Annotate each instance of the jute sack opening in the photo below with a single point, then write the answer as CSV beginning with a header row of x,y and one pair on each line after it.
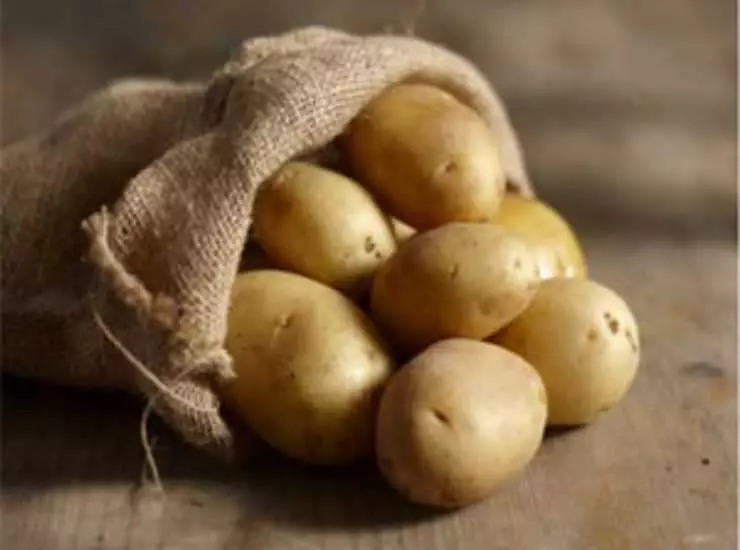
x,y
162,178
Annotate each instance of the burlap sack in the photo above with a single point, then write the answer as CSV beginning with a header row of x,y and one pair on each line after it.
x,y
180,165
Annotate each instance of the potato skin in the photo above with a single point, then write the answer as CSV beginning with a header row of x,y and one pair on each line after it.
x,y
322,225
583,340
457,421
401,231
554,243
428,158
459,280
309,367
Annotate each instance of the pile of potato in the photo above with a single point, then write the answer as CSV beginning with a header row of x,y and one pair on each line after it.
x,y
487,308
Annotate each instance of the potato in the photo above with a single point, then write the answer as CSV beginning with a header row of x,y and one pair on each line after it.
x,y
401,231
428,158
322,225
556,248
459,280
309,367
459,420
583,340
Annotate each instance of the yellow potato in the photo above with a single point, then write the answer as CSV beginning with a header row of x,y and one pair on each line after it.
x,y
459,280
583,340
459,420
553,242
309,367
322,225
401,231
429,158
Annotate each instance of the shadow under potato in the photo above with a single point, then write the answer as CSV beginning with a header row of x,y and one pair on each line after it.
x,y
356,497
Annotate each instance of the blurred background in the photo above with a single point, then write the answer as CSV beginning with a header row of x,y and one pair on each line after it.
x,y
619,104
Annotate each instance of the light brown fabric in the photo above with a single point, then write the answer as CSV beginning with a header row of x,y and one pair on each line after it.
x,y
48,184
183,164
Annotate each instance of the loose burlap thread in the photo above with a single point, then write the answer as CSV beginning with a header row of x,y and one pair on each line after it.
x,y
162,178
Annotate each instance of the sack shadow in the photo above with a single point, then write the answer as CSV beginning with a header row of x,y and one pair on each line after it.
x,y
61,439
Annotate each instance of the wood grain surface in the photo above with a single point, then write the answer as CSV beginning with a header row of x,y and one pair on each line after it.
x,y
627,113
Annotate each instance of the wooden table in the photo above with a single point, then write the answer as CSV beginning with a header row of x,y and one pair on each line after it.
x,y
626,110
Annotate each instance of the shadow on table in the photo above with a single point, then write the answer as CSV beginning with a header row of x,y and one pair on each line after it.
x,y
56,438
